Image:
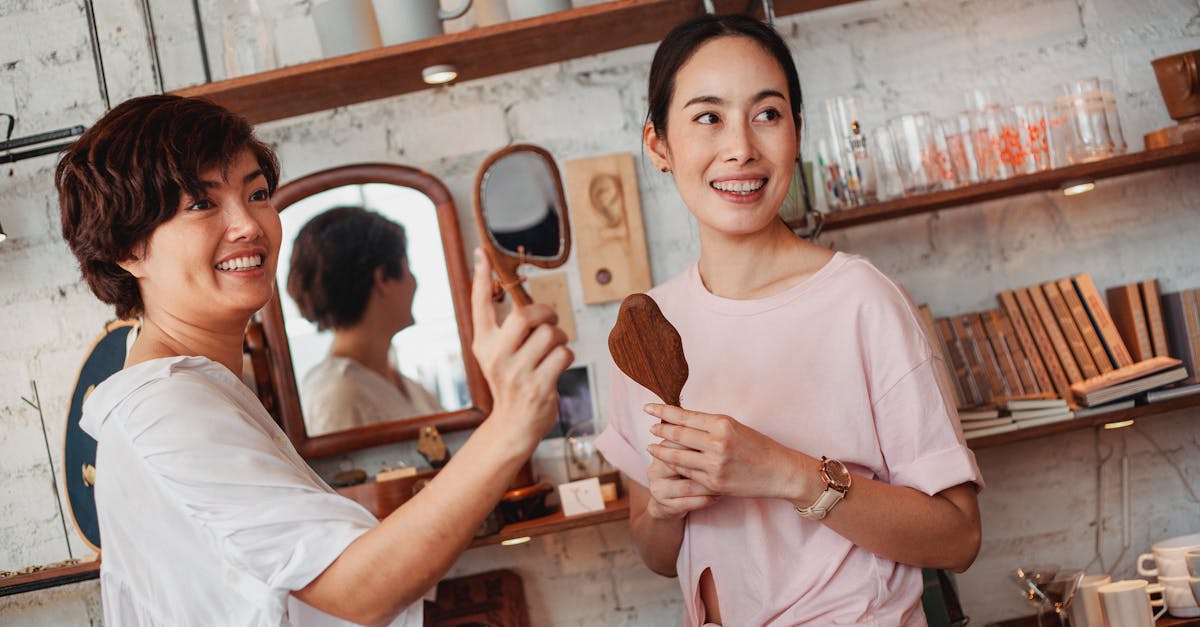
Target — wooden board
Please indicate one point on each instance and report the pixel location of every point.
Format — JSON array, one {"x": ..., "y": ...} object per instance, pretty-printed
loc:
[
  {"x": 606, "y": 215},
  {"x": 551, "y": 289}
]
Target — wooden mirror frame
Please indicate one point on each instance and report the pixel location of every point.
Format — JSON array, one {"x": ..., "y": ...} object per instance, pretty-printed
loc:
[
  {"x": 504, "y": 263},
  {"x": 284, "y": 394}
]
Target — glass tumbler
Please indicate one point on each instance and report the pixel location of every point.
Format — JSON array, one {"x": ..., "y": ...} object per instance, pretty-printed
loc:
[
  {"x": 1089, "y": 134},
  {"x": 1110, "y": 114},
  {"x": 1034, "y": 137},
  {"x": 850, "y": 145},
  {"x": 888, "y": 184},
  {"x": 247, "y": 40},
  {"x": 960, "y": 145},
  {"x": 916, "y": 152}
]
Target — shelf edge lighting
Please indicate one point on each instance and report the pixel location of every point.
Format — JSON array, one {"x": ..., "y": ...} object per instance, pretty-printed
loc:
[
  {"x": 1075, "y": 188},
  {"x": 439, "y": 74},
  {"x": 1119, "y": 424},
  {"x": 515, "y": 541}
]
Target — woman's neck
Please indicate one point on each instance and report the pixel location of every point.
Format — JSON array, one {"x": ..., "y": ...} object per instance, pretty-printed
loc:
[
  {"x": 758, "y": 264},
  {"x": 364, "y": 345},
  {"x": 163, "y": 335}
]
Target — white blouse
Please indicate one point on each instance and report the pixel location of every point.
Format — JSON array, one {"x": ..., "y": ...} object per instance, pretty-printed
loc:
[
  {"x": 339, "y": 393},
  {"x": 207, "y": 514}
]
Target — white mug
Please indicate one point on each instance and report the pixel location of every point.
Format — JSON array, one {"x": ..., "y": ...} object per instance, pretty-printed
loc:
[
  {"x": 1127, "y": 604},
  {"x": 410, "y": 20},
  {"x": 1168, "y": 557},
  {"x": 1178, "y": 596},
  {"x": 1192, "y": 560},
  {"x": 1085, "y": 610},
  {"x": 522, "y": 9},
  {"x": 345, "y": 26},
  {"x": 489, "y": 12}
]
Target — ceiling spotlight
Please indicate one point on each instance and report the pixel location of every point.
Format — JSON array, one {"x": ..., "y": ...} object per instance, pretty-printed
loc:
[
  {"x": 439, "y": 74},
  {"x": 1076, "y": 188}
]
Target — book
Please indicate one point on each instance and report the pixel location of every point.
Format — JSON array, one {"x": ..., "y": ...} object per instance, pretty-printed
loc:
[
  {"x": 1130, "y": 387},
  {"x": 974, "y": 363},
  {"x": 1061, "y": 314},
  {"x": 1175, "y": 320},
  {"x": 1004, "y": 357},
  {"x": 1098, "y": 312},
  {"x": 1087, "y": 328},
  {"x": 987, "y": 359},
  {"x": 1191, "y": 300},
  {"x": 1061, "y": 350},
  {"x": 1014, "y": 323},
  {"x": 976, "y": 425},
  {"x": 1129, "y": 316},
  {"x": 958, "y": 360},
  {"x": 979, "y": 433},
  {"x": 980, "y": 413},
  {"x": 1035, "y": 403},
  {"x": 1031, "y": 414},
  {"x": 1187, "y": 387},
  {"x": 1045, "y": 420},
  {"x": 1105, "y": 408},
  {"x": 945, "y": 377},
  {"x": 1041, "y": 342},
  {"x": 1025, "y": 373},
  {"x": 1154, "y": 317}
]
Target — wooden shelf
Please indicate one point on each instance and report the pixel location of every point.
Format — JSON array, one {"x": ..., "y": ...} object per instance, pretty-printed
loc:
[
  {"x": 1099, "y": 420},
  {"x": 1023, "y": 184},
  {"x": 49, "y": 578},
  {"x": 476, "y": 53},
  {"x": 614, "y": 511}
]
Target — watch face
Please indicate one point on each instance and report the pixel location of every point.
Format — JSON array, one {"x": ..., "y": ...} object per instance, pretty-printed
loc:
[{"x": 837, "y": 473}]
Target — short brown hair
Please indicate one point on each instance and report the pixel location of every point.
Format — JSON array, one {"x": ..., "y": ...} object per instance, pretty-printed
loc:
[
  {"x": 333, "y": 264},
  {"x": 125, "y": 176}
]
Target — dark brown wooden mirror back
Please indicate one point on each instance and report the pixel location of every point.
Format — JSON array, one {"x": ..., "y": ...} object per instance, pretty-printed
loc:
[{"x": 375, "y": 187}]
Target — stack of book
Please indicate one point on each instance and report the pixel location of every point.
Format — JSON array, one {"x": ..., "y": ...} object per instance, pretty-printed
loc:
[
  {"x": 1013, "y": 414},
  {"x": 1154, "y": 327},
  {"x": 1058, "y": 340}
]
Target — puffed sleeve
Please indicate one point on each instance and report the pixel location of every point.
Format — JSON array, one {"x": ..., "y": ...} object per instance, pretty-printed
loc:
[
  {"x": 915, "y": 418},
  {"x": 273, "y": 524},
  {"x": 624, "y": 440}
]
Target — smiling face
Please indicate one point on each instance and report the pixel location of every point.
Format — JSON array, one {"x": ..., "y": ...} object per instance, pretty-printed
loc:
[
  {"x": 214, "y": 260},
  {"x": 731, "y": 140}
]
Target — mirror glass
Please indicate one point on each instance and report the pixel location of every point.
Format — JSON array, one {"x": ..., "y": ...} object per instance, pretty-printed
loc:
[
  {"x": 429, "y": 376},
  {"x": 522, "y": 206}
]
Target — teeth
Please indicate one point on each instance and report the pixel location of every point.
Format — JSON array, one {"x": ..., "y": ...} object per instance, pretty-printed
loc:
[
  {"x": 740, "y": 187},
  {"x": 241, "y": 263}
]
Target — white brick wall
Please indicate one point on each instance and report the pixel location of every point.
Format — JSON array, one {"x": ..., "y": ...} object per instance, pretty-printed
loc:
[{"x": 1047, "y": 500}]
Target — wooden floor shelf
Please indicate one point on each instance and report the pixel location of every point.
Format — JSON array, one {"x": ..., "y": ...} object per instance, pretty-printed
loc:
[
  {"x": 49, "y": 578},
  {"x": 1099, "y": 420},
  {"x": 475, "y": 53},
  {"x": 1023, "y": 184}
]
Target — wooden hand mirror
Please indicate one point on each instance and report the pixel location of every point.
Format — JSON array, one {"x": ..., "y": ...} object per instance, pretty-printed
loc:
[
  {"x": 647, "y": 348},
  {"x": 521, "y": 214}
]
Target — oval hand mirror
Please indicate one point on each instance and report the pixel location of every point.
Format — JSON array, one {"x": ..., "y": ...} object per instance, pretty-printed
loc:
[{"x": 521, "y": 214}]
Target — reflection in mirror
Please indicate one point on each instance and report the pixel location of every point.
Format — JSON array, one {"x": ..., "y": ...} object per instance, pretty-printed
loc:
[
  {"x": 367, "y": 308},
  {"x": 371, "y": 340},
  {"x": 522, "y": 205}
]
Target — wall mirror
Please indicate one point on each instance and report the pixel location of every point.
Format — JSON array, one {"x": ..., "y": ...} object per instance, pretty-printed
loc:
[
  {"x": 521, "y": 213},
  {"x": 326, "y": 402}
]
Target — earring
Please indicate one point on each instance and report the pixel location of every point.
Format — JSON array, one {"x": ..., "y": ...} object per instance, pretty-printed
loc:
[{"x": 664, "y": 169}]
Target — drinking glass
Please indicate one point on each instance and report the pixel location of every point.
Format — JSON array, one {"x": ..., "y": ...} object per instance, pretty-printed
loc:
[
  {"x": 1060, "y": 591},
  {"x": 1090, "y": 136},
  {"x": 1031, "y": 580},
  {"x": 1034, "y": 137},
  {"x": 849, "y": 143},
  {"x": 916, "y": 152},
  {"x": 1110, "y": 114},
  {"x": 247, "y": 40},
  {"x": 960, "y": 145},
  {"x": 888, "y": 184}
]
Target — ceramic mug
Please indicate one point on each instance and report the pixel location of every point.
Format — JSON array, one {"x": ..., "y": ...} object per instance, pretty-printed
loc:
[
  {"x": 1127, "y": 604},
  {"x": 489, "y": 12},
  {"x": 1191, "y": 559},
  {"x": 1178, "y": 595},
  {"x": 345, "y": 26},
  {"x": 410, "y": 20},
  {"x": 1168, "y": 557},
  {"x": 1085, "y": 610},
  {"x": 522, "y": 9}
]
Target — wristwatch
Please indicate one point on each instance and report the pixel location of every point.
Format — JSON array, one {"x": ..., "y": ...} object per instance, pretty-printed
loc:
[{"x": 837, "y": 483}]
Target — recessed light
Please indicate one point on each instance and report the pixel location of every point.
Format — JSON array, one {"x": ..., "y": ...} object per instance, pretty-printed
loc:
[
  {"x": 439, "y": 74},
  {"x": 515, "y": 541},
  {"x": 1119, "y": 424},
  {"x": 1076, "y": 188}
]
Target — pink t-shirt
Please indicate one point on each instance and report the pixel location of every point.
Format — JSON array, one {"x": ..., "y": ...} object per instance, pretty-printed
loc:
[{"x": 837, "y": 365}]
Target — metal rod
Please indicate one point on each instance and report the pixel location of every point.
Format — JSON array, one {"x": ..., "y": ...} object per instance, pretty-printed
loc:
[
  {"x": 203, "y": 44},
  {"x": 769, "y": 12},
  {"x": 14, "y": 157},
  {"x": 709, "y": 8},
  {"x": 152, "y": 42},
  {"x": 37, "y": 404},
  {"x": 41, "y": 137},
  {"x": 97, "y": 57}
]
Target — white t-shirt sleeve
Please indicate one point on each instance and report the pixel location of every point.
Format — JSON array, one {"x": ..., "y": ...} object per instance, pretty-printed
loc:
[{"x": 273, "y": 526}]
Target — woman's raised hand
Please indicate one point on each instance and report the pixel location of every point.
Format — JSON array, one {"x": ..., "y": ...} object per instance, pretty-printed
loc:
[
  {"x": 521, "y": 359},
  {"x": 723, "y": 456}
]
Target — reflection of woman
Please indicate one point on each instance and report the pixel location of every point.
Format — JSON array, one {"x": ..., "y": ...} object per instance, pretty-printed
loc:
[
  {"x": 208, "y": 515},
  {"x": 349, "y": 273},
  {"x": 800, "y": 357}
]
